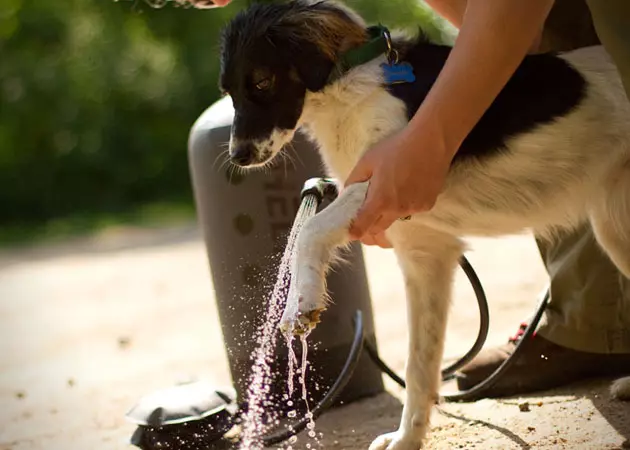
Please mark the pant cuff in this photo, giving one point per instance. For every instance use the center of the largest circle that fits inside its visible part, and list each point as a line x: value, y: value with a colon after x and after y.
x: 591, y: 340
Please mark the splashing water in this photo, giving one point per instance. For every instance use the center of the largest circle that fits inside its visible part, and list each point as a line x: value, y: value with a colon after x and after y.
x: 309, y: 415
x: 260, y: 381
x: 303, y: 368
x: 292, y: 362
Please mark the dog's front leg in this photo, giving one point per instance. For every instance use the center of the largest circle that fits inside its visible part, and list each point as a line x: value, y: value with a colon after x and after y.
x: 428, y: 260
x: 315, y: 250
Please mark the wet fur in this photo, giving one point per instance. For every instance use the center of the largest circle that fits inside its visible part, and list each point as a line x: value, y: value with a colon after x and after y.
x: 566, y: 164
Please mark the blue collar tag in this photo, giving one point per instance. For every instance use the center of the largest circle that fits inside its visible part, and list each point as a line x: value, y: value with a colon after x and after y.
x: 398, y: 73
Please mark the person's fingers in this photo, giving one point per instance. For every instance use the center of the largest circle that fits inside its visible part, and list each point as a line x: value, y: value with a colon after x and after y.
x: 376, y: 239
x: 368, y: 214
x: 369, y: 239
x: 382, y: 223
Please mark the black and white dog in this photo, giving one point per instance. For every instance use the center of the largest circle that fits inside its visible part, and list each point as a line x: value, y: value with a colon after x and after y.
x: 552, y: 152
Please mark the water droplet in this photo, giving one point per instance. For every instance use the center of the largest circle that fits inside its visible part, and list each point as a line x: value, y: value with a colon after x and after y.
x: 291, y: 414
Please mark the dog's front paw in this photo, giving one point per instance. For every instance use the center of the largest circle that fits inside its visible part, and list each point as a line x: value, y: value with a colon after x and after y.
x: 305, y: 304
x: 395, y: 441
x: 301, y: 322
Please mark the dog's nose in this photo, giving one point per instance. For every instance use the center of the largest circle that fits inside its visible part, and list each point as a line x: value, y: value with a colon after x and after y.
x: 243, y: 154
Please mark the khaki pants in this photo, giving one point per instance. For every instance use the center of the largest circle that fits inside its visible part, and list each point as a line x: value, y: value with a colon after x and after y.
x: 589, y: 308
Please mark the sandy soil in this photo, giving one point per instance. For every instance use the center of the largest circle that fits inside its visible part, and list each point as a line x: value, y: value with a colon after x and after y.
x: 88, y: 327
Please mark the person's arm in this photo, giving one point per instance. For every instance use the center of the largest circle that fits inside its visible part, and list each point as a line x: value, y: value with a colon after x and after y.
x: 407, y: 170
x: 451, y: 10
x: 494, y: 38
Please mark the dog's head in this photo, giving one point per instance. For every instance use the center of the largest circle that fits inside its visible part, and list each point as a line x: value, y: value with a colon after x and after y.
x: 271, y: 55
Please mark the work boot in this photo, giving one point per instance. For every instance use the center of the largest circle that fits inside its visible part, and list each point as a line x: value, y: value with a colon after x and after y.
x: 540, y: 365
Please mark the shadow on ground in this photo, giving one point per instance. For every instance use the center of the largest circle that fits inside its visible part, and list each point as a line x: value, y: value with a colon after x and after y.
x: 356, y: 425
x: 582, y: 416
x: 615, y: 413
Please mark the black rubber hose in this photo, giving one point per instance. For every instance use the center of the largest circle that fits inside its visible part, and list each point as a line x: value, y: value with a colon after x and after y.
x: 335, y: 389
x: 484, y: 320
x: 484, y: 325
x: 476, y: 391
x: 384, y: 367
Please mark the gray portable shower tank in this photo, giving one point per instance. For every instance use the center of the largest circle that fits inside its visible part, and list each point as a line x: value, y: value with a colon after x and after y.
x: 246, y: 218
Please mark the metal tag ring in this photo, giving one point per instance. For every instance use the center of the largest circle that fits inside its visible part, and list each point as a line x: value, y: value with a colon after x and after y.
x: 392, y: 54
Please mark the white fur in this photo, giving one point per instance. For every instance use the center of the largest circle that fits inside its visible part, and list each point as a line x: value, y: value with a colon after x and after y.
x: 620, y: 389
x: 557, y: 176
x: 266, y: 148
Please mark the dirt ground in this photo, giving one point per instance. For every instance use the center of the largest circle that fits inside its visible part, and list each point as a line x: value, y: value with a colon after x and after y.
x: 88, y: 327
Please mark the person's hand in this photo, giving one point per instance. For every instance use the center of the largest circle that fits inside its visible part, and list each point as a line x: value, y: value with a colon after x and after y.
x: 406, y: 172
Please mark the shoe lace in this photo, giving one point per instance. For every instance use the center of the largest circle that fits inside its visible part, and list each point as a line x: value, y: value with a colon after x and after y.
x: 519, y: 334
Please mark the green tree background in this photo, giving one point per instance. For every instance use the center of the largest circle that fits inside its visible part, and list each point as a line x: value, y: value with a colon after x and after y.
x: 97, y: 100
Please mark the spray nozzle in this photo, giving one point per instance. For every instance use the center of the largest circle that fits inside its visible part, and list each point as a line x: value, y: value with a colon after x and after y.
x: 321, y: 188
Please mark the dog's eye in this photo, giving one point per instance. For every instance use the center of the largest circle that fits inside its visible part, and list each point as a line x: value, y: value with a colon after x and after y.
x: 263, y: 84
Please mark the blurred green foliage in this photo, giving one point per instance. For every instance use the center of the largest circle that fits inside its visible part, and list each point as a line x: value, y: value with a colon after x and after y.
x: 98, y: 97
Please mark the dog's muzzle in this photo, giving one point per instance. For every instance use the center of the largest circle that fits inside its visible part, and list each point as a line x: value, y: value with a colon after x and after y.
x: 243, y: 153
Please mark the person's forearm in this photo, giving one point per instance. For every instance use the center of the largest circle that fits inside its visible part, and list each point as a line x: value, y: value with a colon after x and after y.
x: 451, y: 10
x: 494, y: 38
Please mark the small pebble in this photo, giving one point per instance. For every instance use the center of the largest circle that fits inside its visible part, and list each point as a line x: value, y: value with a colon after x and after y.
x: 523, y: 407
x: 124, y: 342
x: 531, y: 428
x: 71, y: 382
x: 20, y: 395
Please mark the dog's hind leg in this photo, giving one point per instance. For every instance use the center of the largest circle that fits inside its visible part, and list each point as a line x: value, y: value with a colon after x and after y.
x: 611, y: 223
x: 428, y: 260
x: 611, y: 219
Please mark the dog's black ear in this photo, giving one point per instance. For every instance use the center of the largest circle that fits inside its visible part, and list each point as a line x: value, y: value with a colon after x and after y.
x: 312, y: 65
